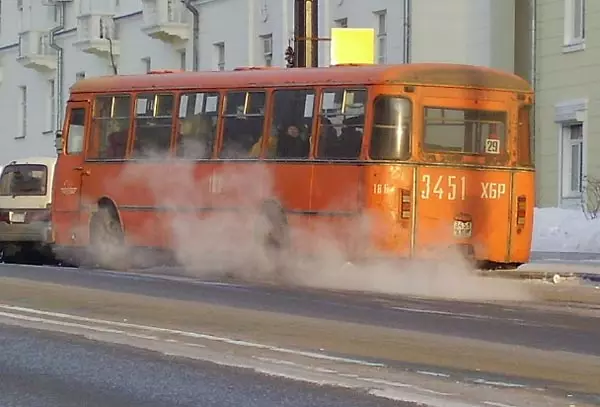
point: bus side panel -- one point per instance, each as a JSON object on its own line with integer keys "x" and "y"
{"x": 450, "y": 201}
{"x": 289, "y": 183}
{"x": 156, "y": 202}
{"x": 521, "y": 236}
{"x": 387, "y": 187}
{"x": 336, "y": 207}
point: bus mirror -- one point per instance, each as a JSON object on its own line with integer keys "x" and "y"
{"x": 58, "y": 142}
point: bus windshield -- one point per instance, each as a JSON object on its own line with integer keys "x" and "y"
{"x": 463, "y": 131}
{"x": 23, "y": 180}
{"x": 390, "y": 139}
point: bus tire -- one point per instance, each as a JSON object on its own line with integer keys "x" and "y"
{"x": 107, "y": 240}
{"x": 274, "y": 237}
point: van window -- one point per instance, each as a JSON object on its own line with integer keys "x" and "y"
{"x": 390, "y": 138}
{"x": 110, "y": 129}
{"x": 24, "y": 180}
{"x": 243, "y": 122}
{"x": 342, "y": 123}
{"x": 153, "y": 124}
{"x": 198, "y": 119}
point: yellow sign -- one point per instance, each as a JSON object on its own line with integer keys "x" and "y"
{"x": 352, "y": 46}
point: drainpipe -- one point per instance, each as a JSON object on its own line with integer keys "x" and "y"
{"x": 533, "y": 73}
{"x": 196, "y": 33}
{"x": 407, "y": 30}
{"x": 60, "y": 73}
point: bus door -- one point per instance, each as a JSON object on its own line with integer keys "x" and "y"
{"x": 463, "y": 185}
{"x": 69, "y": 173}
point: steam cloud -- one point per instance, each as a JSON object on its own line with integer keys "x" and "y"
{"x": 229, "y": 242}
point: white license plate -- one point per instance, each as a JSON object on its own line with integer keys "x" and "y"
{"x": 462, "y": 229}
{"x": 17, "y": 217}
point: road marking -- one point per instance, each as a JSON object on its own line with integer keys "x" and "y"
{"x": 459, "y": 315}
{"x": 148, "y": 328}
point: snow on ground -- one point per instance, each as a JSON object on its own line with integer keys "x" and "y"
{"x": 565, "y": 230}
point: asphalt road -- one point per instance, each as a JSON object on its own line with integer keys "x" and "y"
{"x": 506, "y": 324}
{"x": 41, "y": 369}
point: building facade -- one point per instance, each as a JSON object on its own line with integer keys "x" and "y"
{"x": 47, "y": 45}
{"x": 568, "y": 100}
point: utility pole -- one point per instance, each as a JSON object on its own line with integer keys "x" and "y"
{"x": 306, "y": 33}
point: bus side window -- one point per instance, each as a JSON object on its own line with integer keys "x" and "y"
{"x": 110, "y": 127}
{"x": 290, "y": 134}
{"x": 76, "y": 132}
{"x": 243, "y": 122}
{"x": 153, "y": 125}
{"x": 197, "y": 127}
{"x": 342, "y": 123}
{"x": 390, "y": 137}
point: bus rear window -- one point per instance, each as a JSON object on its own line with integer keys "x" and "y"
{"x": 390, "y": 139}
{"x": 24, "y": 180}
{"x": 464, "y": 131}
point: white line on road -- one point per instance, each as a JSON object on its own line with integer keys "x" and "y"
{"x": 229, "y": 341}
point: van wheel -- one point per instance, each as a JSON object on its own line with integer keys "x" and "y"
{"x": 107, "y": 241}
{"x": 274, "y": 238}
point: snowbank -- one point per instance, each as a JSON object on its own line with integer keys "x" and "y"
{"x": 565, "y": 230}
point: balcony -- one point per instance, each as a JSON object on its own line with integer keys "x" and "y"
{"x": 166, "y": 20}
{"x": 35, "y": 51}
{"x": 98, "y": 34}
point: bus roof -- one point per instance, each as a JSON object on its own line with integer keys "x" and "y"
{"x": 434, "y": 74}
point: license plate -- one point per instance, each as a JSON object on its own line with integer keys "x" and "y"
{"x": 17, "y": 217}
{"x": 462, "y": 229}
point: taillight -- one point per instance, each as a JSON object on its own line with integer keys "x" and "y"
{"x": 405, "y": 205}
{"x": 521, "y": 209}
{"x": 4, "y": 217}
{"x": 42, "y": 215}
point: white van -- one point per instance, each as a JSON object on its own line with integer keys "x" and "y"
{"x": 25, "y": 203}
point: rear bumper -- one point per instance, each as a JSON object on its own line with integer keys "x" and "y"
{"x": 37, "y": 232}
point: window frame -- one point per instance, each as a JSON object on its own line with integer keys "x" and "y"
{"x": 177, "y": 124}
{"x": 223, "y": 116}
{"x": 574, "y": 41}
{"x": 270, "y": 108}
{"x": 69, "y": 135}
{"x": 367, "y": 112}
{"x": 504, "y": 153}
{"x": 567, "y": 170}
{"x": 134, "y": 117}
{"x": 371, "y": 126}
{"x": 92, "y": 122}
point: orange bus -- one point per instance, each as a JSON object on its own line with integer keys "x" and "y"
{"x": 395, "y": 161}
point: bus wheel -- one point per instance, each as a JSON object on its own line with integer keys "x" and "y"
{"x": 274, "y": 237}
{"x": 107, "y": 243}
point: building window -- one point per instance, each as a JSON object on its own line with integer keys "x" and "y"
{"x": 79, "y": 76}
{"x": 51, "y": 106}
{"x": 182, "y": 60}
{"x": 147, "y": 63}
{"x": 22, "y": 115}
{"x": 267, "y": 47}
{"x": 381, "y": 31}
{"x": 341, "y": 23}
{"x": 572, "y": 159}
{"x": 574, "y": 25}
{"x": 220, "y": 55}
